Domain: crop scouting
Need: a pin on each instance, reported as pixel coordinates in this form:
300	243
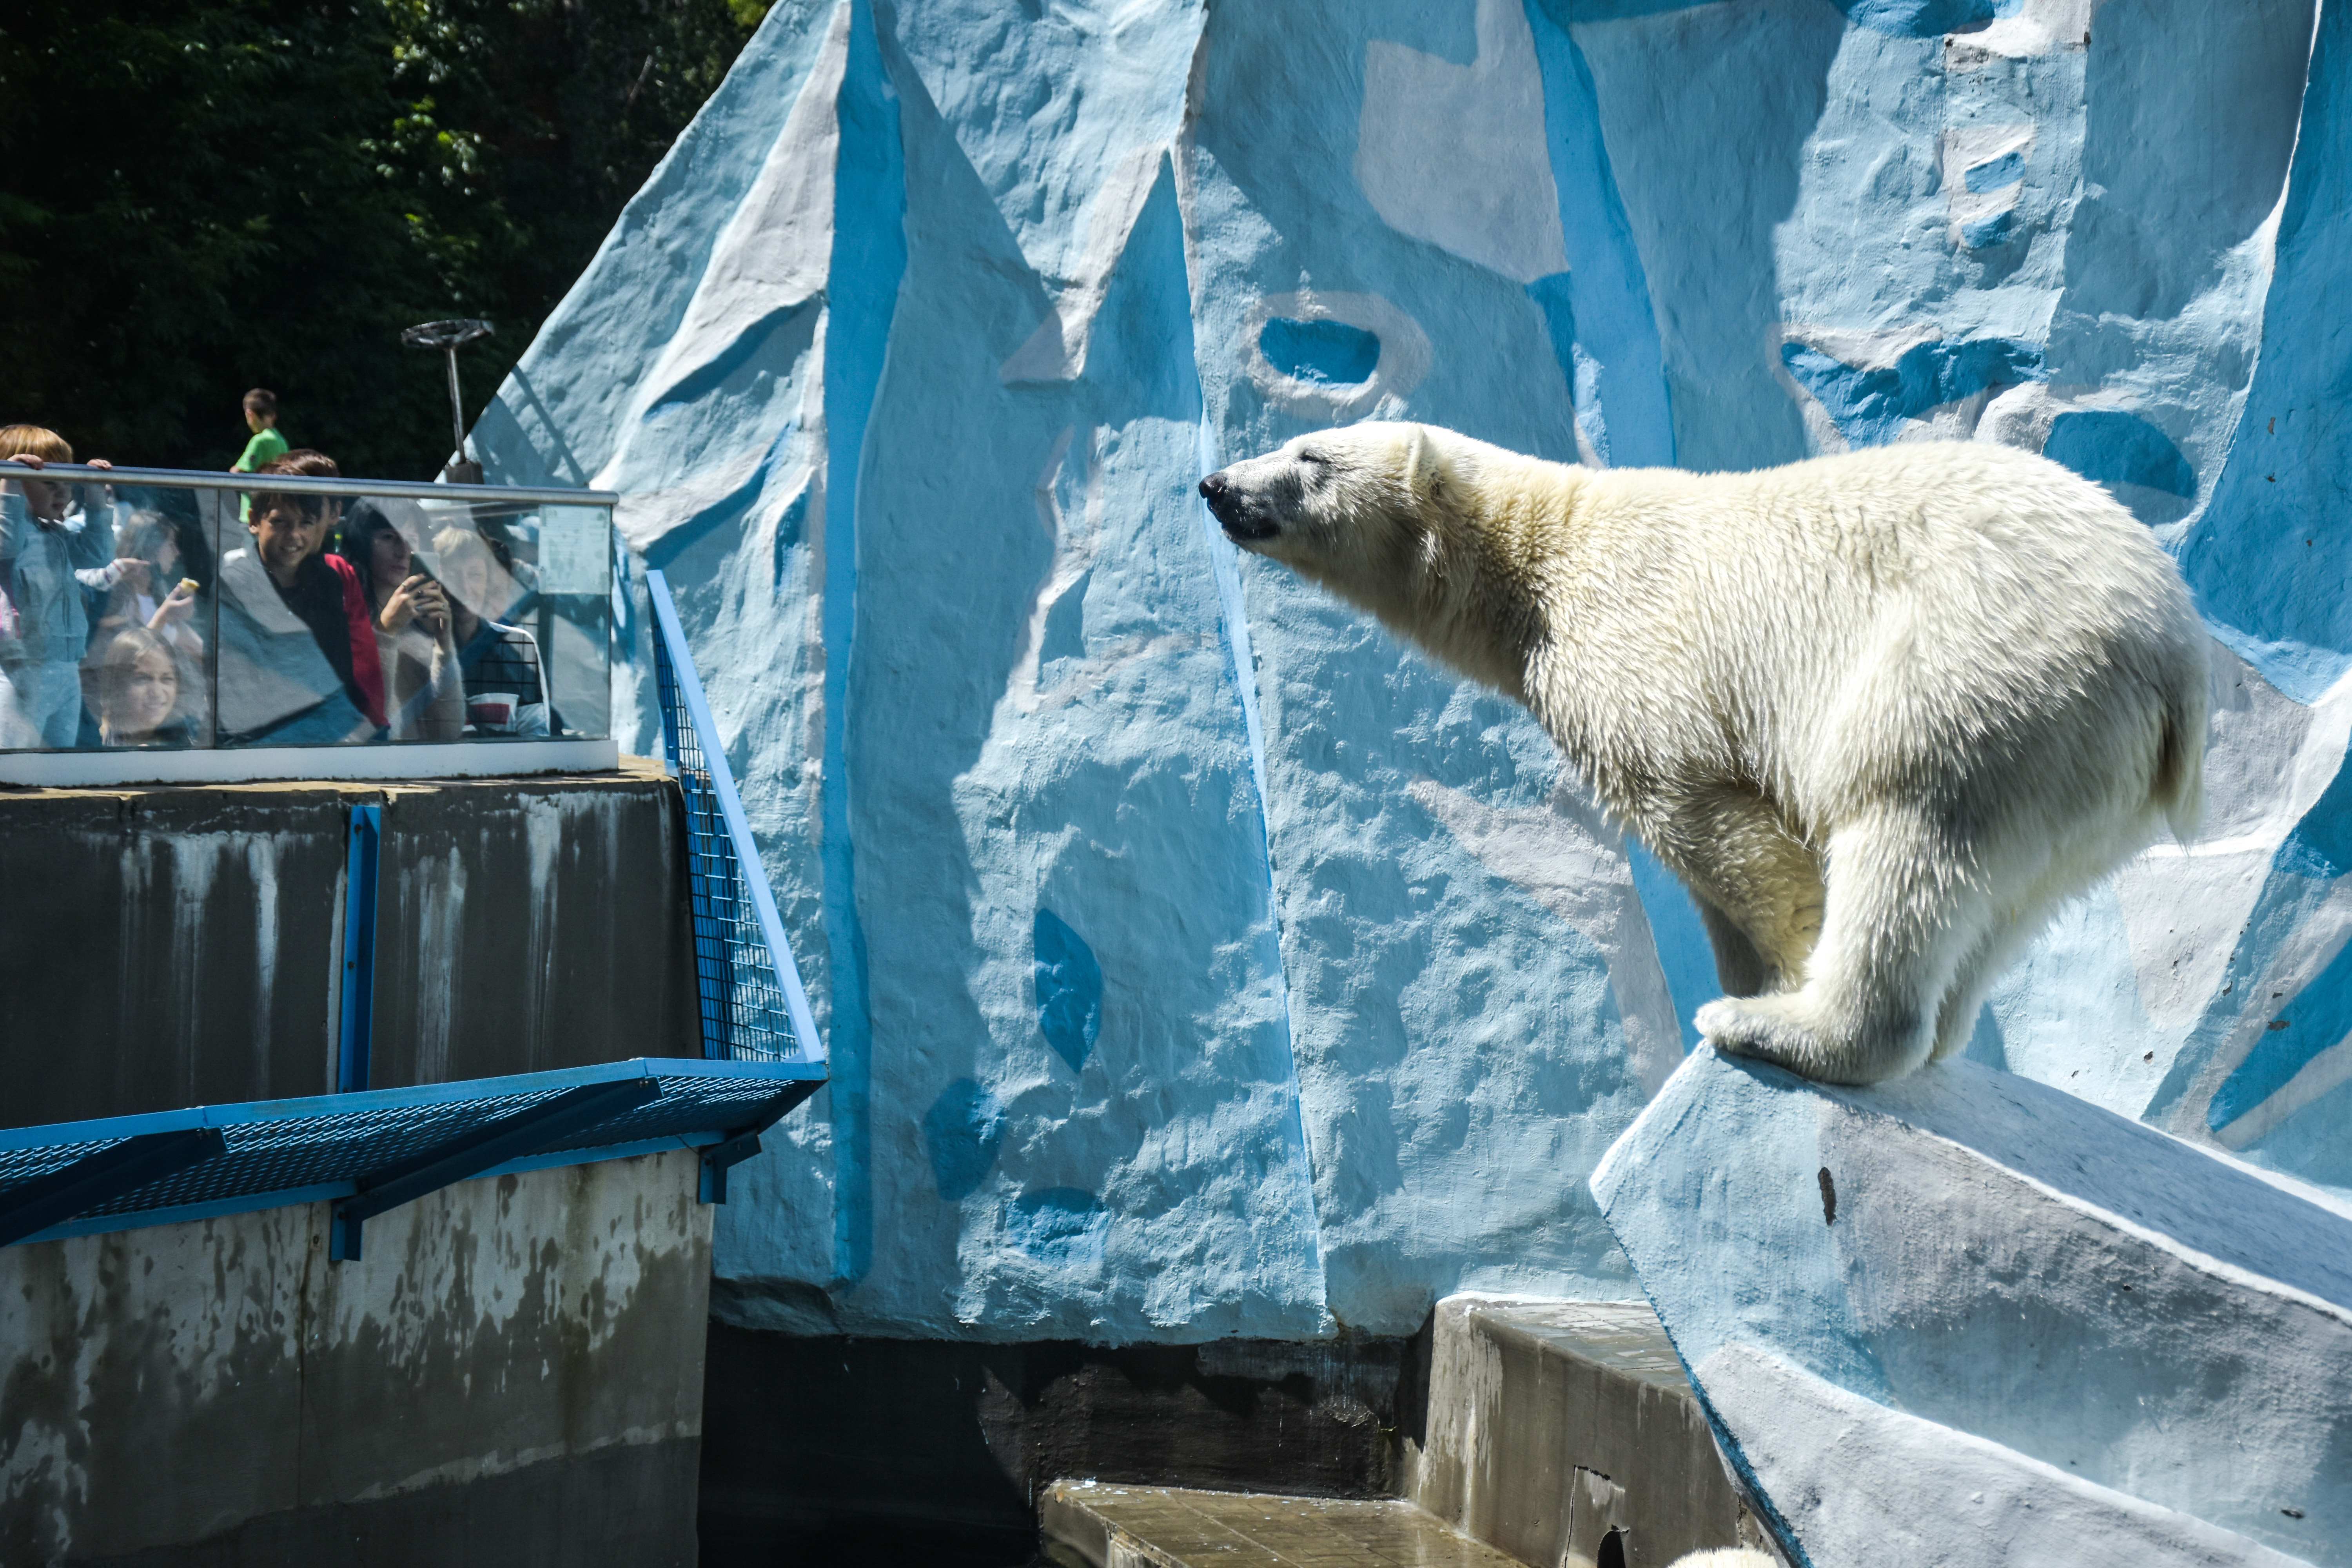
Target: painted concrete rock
1966	1318
1195	960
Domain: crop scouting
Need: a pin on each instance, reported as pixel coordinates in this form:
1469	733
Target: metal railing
753	1008
154	626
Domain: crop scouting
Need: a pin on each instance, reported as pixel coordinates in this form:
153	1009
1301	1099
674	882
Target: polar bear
1882	713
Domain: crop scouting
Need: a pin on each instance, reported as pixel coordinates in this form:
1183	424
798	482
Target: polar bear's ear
1424	467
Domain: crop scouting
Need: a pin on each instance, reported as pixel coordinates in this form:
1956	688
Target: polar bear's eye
1314	458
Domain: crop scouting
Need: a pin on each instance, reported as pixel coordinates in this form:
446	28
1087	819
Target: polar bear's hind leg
1901	916
1758	886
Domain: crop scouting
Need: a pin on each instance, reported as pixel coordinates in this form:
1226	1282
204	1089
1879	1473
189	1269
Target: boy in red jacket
272	688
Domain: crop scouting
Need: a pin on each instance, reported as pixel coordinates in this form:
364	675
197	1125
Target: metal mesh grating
267	1155
752	1007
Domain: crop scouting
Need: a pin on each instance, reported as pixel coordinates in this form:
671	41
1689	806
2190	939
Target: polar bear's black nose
1213	487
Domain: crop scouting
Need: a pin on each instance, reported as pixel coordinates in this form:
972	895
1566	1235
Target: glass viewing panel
167	610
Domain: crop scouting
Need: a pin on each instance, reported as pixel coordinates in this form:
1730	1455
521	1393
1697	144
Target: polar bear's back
1960	601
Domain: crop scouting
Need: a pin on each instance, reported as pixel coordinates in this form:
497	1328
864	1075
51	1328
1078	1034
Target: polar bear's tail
2178	789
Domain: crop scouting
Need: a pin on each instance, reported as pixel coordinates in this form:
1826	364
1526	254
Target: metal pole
457	407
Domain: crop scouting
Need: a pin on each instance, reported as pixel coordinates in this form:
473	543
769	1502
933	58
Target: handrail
731	946
303	484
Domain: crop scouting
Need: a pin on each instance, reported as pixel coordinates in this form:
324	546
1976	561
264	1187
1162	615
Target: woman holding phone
413	628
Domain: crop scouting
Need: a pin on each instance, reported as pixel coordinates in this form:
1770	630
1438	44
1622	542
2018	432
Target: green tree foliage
198	196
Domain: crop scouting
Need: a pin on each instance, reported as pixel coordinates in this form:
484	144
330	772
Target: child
139	692
266	445
51	548
297	651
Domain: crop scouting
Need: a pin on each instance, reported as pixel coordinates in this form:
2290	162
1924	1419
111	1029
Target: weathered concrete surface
2122	1337
1552	1424
166	946
1096	1524
513	1375
938	1452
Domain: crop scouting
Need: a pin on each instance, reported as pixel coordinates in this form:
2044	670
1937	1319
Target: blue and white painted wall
1196	960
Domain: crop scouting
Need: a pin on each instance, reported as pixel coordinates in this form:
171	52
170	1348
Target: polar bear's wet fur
1882	713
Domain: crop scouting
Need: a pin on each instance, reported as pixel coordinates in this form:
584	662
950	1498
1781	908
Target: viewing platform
172	626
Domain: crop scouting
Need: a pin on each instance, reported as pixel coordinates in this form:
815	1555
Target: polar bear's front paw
1762	1027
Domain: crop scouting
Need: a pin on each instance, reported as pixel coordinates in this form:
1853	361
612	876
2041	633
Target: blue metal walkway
375	1150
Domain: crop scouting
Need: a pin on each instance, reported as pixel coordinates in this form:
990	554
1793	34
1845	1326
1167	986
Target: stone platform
1091	1524
1970	1318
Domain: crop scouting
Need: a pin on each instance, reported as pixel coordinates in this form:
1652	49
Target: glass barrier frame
229	723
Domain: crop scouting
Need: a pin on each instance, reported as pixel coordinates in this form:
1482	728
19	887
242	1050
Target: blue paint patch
1918	18
1323	353
2318	1015
1994	173
788	528
1994	228
1870	407
1069	990
1062	1226
2114	448
1066	628
962	1131
2320	848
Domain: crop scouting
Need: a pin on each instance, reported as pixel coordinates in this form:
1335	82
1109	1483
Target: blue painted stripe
1233	620
1607	288
867	261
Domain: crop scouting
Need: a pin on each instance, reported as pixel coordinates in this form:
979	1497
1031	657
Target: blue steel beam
123	1167
718	1157
474	1151
360	901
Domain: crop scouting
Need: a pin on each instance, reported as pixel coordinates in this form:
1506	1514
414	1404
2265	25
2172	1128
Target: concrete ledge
241	764
1970	1270
1553	1425
1099	1525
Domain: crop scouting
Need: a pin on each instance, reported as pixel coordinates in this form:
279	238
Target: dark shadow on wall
826	1450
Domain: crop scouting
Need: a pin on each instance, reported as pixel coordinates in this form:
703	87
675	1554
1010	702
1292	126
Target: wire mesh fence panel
753	1005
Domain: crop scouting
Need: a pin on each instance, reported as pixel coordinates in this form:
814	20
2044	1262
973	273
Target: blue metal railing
753	1008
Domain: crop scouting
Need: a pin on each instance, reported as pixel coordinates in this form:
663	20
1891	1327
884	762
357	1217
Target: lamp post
449	337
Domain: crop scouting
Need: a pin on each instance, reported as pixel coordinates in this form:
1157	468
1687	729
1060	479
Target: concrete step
1564	1433
1560	1433
1099	1525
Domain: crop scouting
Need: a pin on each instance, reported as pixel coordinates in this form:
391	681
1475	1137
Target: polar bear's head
1391	517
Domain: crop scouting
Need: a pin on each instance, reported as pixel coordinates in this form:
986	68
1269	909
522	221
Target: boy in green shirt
266	445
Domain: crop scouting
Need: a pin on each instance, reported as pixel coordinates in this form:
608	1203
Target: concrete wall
513	1375
183	945
1196	961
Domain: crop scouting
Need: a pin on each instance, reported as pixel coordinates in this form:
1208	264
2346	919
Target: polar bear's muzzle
1243	523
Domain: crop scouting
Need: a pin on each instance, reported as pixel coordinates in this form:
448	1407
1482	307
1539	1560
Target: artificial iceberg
1197	961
